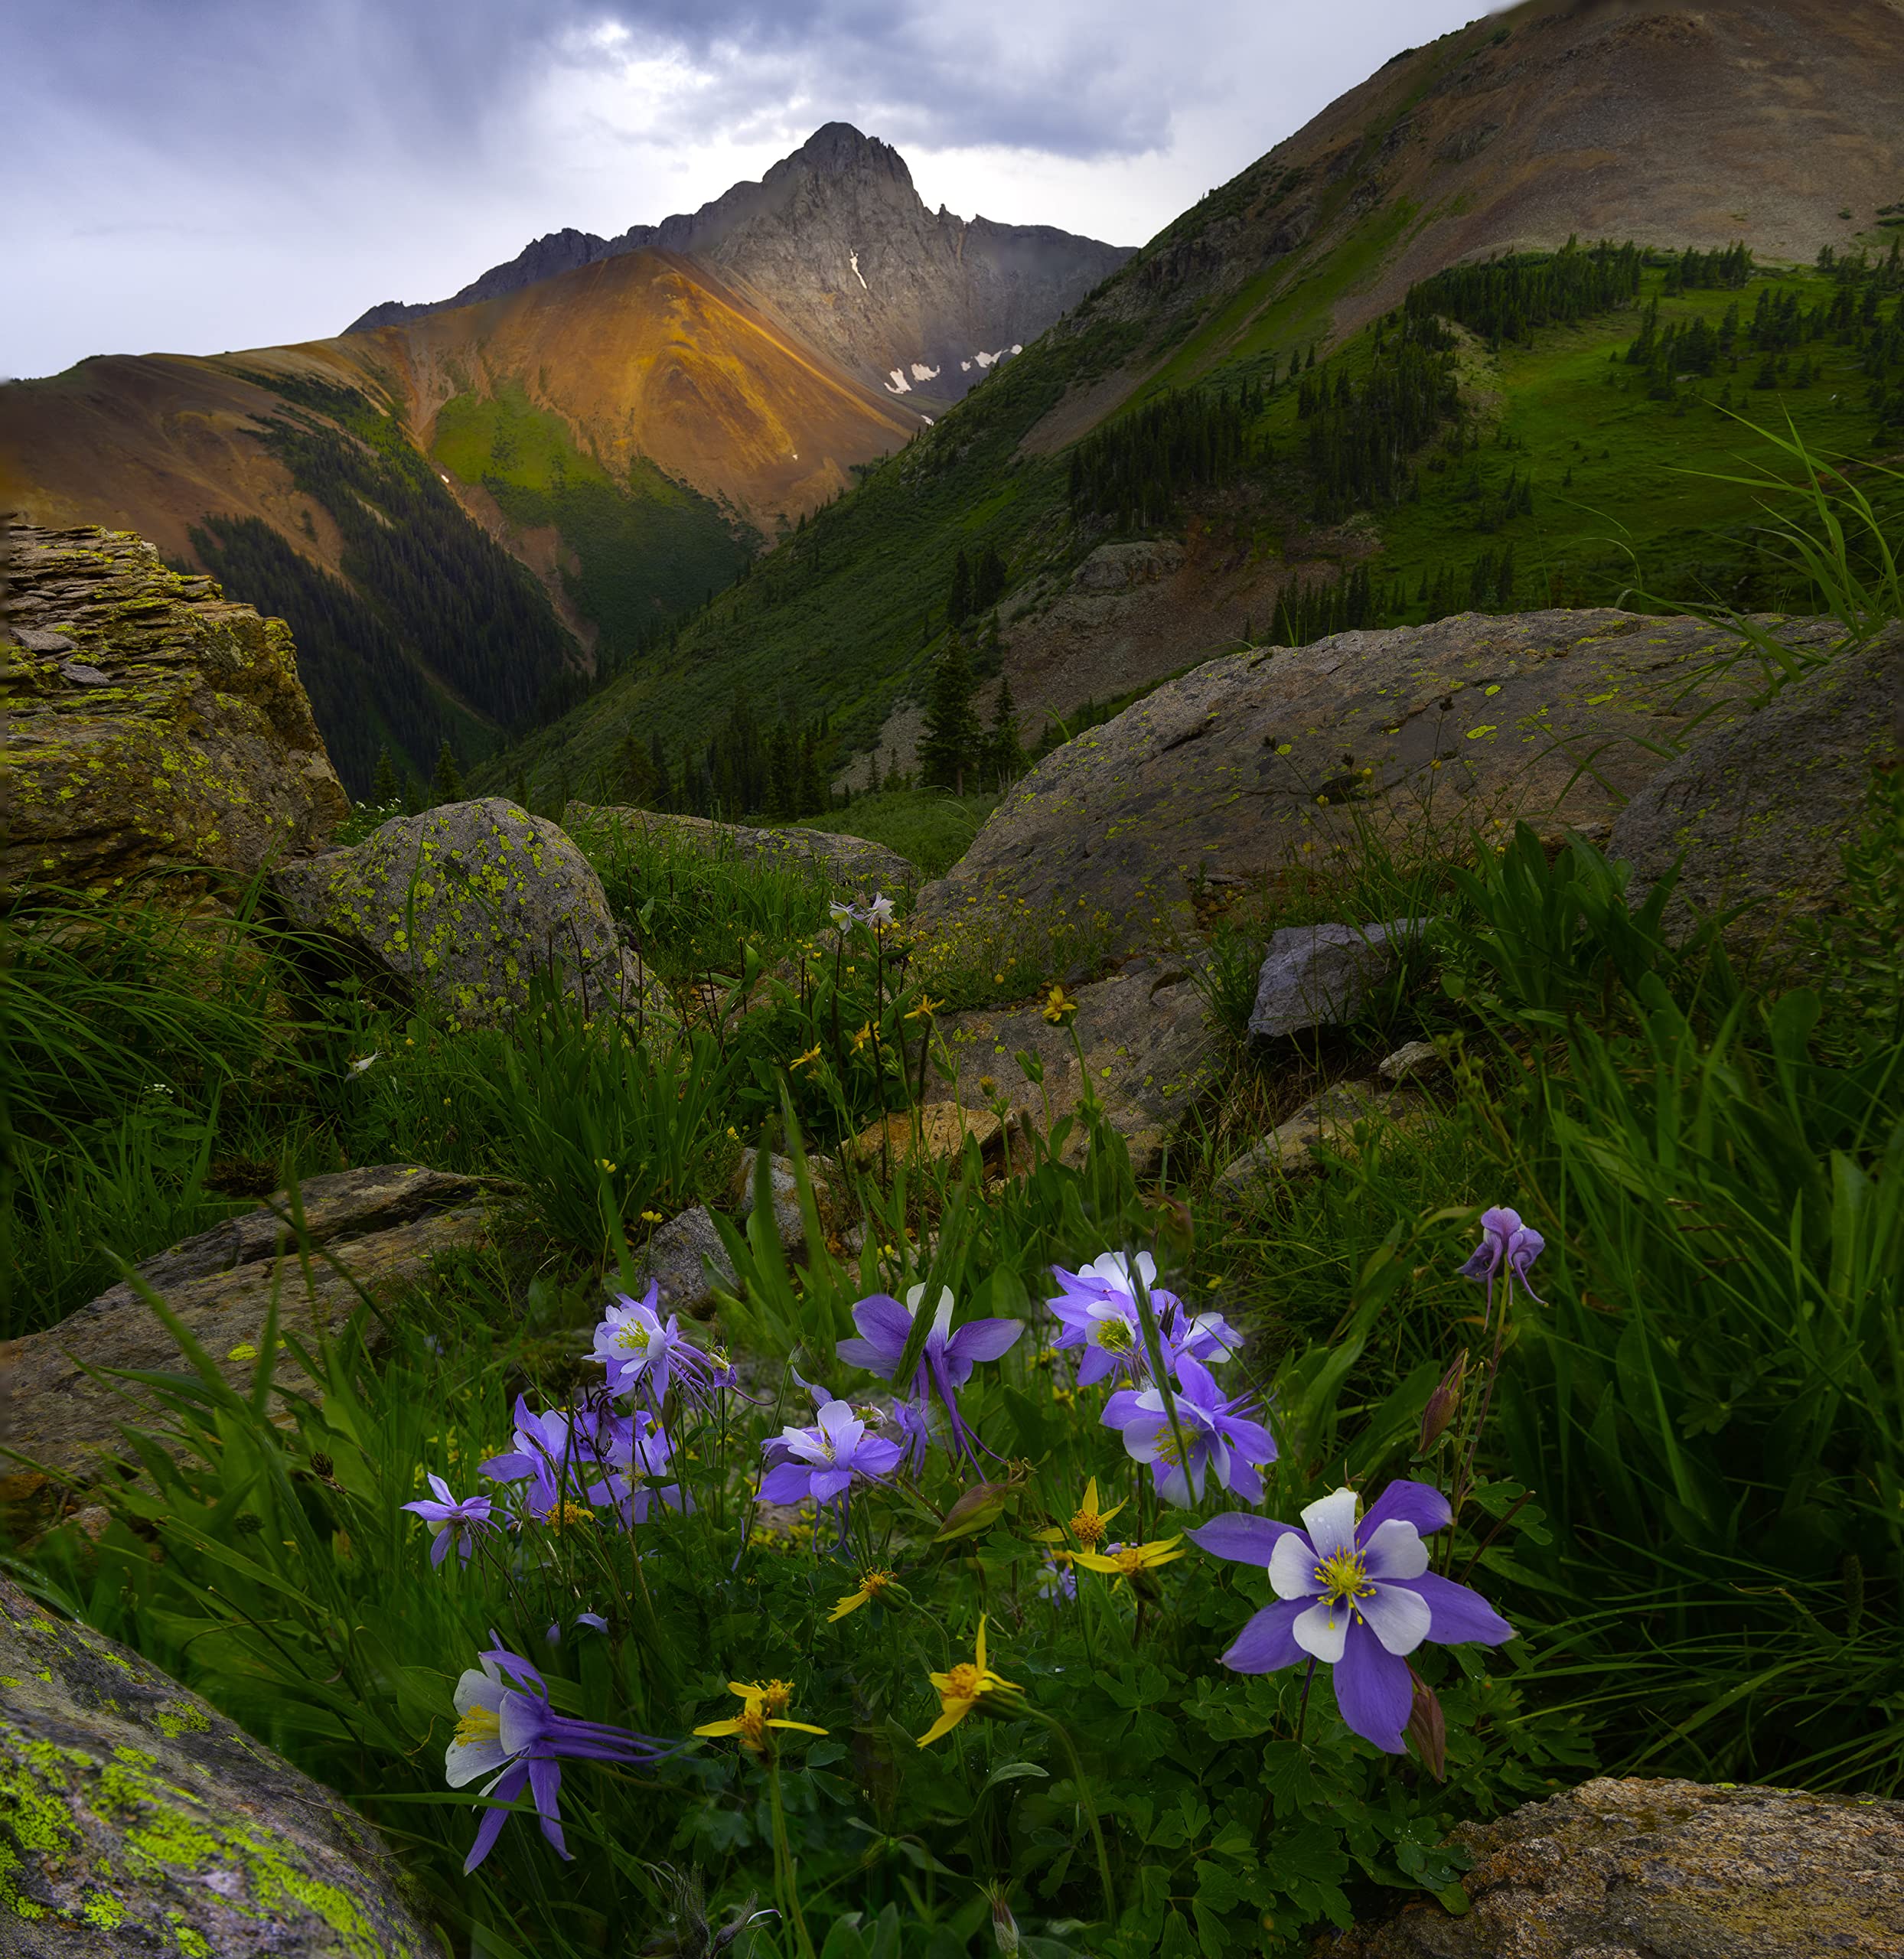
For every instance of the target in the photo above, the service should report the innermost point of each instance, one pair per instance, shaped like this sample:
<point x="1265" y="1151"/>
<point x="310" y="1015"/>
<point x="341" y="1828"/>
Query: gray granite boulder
<point x="135" y="1818"/>
<point x="1762" y="808"/>
<point x="1269" y="765"/>
<point x="1323" y="975"/>
<point x="1630" y="1868"/>
<point x="467" y="904"/>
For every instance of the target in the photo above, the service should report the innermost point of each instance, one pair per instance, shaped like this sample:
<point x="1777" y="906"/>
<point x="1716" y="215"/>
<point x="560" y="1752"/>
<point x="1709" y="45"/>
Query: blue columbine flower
<point x="821" y="1462"/>
<point x="1218" y="1436"/>
<point x="643" y="1355"/>
<point x="460" y="1521"/>
<point x="946" y="1362"/>
<point x="1097" y="1310"/>
<point x="561" y="1458"/>
<point x="1359" y="1596"/>
<point x="1504" y="1241"/>
<point x="507" y="1730"/>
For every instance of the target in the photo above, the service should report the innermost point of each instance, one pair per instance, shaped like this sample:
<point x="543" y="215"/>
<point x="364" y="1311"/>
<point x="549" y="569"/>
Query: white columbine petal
<point x="1394" y="1550"/>
<point x="1330" y="1521"/>
<point x="1322" y="1631"/>
<point x="1396" y="1616"/>
<point x="1292" y="1566"/>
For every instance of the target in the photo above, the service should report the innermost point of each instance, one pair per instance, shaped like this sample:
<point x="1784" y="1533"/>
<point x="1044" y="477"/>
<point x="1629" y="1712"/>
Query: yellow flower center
<point x="479" y="1725"/>
<point x="962" y="1682"/>
<point x="566" y="1513"/>
<point x="632" y="1339"/>
<point x="1088" y="1528"/>
<point x="1344" y="1576"/>
<point x="874" y="1583"/>
<point x="752" y="1731"/>
<point x="778" y="1697"/>
<point x="1113" y="1336"/>
<point x="1130" y="1561"/>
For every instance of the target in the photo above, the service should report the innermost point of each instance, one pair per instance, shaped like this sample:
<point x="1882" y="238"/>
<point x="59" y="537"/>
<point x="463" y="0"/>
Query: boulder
<point x="1269" y="764"/>
<point x="1149" y="1051"/>
<point x="934" y="1133"/>
<point x="136" y="1818"/>
<point x="371" y="1231"/>
<point x="1322" y="976"/>
<point x="1327" y="1122"/>
<point x="1414" y="1060"/>
<point x="849" y="863"/>
<point x="1119" y="567"/>
<point x="151" y="721"/>
<point x="1762" y="808"/>
<point x="1661" y="1870"/>
<point x="467" y="904"/>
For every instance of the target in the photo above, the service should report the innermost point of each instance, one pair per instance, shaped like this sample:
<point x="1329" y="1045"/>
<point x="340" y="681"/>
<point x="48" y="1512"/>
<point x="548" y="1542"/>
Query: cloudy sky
<point x="199" y="175"/>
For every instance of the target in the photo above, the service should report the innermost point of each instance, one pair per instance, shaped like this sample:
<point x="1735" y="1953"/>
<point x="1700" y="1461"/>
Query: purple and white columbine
<point x="1097" y="1310"/>
<point x="1358" y="1596"/>
<point x="555" y="1455"/>
<point x="1504" y="1241"/>
<point x="1217" y="1438"/>
<point x="643" y="1355"/>
<point x="945" y="1365"/>
<point x="506" y="1730"/>
<point x="460" y="1521"/>
<point x="820" y="1463"/>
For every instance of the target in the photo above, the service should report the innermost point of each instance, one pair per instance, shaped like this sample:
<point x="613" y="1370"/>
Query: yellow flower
<point x="1058" y="1006"/>
<point x="962" y="1689"/>
<point x="1134" y="1558"/>
<point x="650" y="1217"/>
<point x="927" y="1008"/>
<point x="762" y="1707"/>
<point x="860" y="1039"/>
<point x="806" y="1060"/>
<point x="606" y="1165"/>
<point x="1088" y="1525"/>
<point x="872" y="1585"/>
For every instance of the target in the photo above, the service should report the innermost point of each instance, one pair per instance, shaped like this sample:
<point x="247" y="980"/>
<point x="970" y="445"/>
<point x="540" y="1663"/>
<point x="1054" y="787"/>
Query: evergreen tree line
<point x="1360" y="436"/>
<point x="978" y="584"/>
<point x="1310" y="610"/>
<point x="956" y="751"/>
<point x="1507" y="298"/>
<point x="1135" y="471"/>
<point x="750" y="769"/>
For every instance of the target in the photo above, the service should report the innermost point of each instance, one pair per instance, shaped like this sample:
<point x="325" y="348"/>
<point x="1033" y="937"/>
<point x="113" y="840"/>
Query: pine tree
<point x="385" y="791"/>
<point x="447" y="782"/>
<point x="522" y="789"/>
<point x="959" y="605"/>
<point x="1004" y="755"/>
<point x="951" y="743"/>
<point x="634" y="782"/>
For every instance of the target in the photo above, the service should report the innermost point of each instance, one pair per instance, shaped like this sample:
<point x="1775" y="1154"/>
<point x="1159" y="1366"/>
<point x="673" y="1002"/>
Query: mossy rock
<point x="135" y="1818"/>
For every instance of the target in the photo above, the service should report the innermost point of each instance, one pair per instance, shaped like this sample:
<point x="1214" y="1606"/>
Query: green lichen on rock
<point x="148" y="721"/>
<point x="466" y="903"/>
<point x="134" y="1817"/>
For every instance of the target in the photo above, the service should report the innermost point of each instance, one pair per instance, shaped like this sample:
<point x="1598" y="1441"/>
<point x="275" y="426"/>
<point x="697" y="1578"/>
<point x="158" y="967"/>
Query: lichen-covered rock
<point x="1763" y="807"/>
<point x="149" y="720"/>
<point x="850" y="863"/>
<point x="468" y="904"/>
<point x="135" y="1818"/>
<point x="1261" y="763"/>
<point x="1644" y="1869"/>
<point x="371" y="1231"/>
<point x="1328" y="1121"/>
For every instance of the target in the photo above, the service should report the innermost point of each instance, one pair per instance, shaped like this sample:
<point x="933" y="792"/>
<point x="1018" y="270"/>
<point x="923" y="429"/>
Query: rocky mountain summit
<point x="836" y="241"/>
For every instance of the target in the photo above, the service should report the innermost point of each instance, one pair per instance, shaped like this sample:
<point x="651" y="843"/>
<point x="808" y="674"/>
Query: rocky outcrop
<point x="133" y="1818"/>
<point x="837" y="241"/>
<point x="1262" y="765"/>
<point x="366" y="1233"/>
<point x="850" y="863"/>
<point x="151" y="721"/>
<point x="1330" y="1123"/>
<point x="467" y="904"/>
<point x="1148" y="1052"/>
<point x="1762" y="808"/>
<point x="1640" y="1869"/>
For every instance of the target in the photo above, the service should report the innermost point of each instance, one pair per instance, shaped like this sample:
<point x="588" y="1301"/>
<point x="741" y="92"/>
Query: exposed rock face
<point x="1149" y="1051"/>
<point x="1763" y="808"/>
<point x="466" y="904"/>
<point x="150" y="721"/>
<point x="1321" y="976"/>
<point x="133" y="1818"/>
<point x="376" y="1230"/>
<point x="1253" y="765"/>
<point x="1640" y="1869"/>
<point x="851" y="863"/>
<point x="836" y="241"/>
<point x="1328" y="1122"/>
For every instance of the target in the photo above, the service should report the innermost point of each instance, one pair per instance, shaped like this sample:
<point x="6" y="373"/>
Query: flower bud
<point x="1004" y="1926"/>
<point x="1443" y="1405"/>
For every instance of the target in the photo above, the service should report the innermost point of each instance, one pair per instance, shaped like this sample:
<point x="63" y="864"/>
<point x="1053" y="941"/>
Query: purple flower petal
<point x="545" y="1783"/>
<point x="1419" y="1503"/>
<point x="1373" y="1690"/>
<point x="983" y="1339"/>
<point x="1459" y="1614"/>
<point x="1240" y="1536"/>
<point x="506" y="1790"/>
<point x="1397" y="1615"/>
<point x="788" y="1484"/>
<point x="1267" y="1643"/>
<point x="884" y="1321"/>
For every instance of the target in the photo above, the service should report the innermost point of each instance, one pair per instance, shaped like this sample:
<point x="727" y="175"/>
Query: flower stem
<point x="784" y="1863"/>
<point x="1091" y="1811"/>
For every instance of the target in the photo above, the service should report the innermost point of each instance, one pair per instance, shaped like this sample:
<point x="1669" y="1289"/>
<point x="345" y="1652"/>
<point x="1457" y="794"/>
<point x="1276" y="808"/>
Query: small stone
<point x="1321" y="976"/>
<point x="1414" y="1062"/>
<point x="936" y="1134"/>
<point x="37" y="639"/>
<point x="91" y="1522"/>
<point x="83" y="675"/>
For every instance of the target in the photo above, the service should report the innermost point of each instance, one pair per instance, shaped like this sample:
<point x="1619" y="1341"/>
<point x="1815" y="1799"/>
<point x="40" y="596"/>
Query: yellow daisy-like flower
<point x="871" y="1584"/>
<point x="860" y="1039"/>
<point x="1088" y="1524"/>
<point x="927" y="1008"/>
<point x="762" y="1708"/>
<point x="806" y="1060"/>
<point x="1133" y="1558"/>
<point x="962" y="1689"/>
<point x="1059" y="1006"/>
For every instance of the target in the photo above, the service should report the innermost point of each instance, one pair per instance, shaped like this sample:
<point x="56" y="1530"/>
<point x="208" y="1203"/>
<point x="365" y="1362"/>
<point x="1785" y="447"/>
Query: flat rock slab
<point x="1763" y="808"/>
<point x="1148" y="1046"/>
<point x="151" y="721"/>
<point x="467" y="904"/>
<point x="850" y="863"/>
<point x="1327" y="1122"/>
<point x="1646" y="1870"/>
<point x="135" y="1818"/>
<point x="371" y="1231"/>
<point x="1258" y="765"/>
